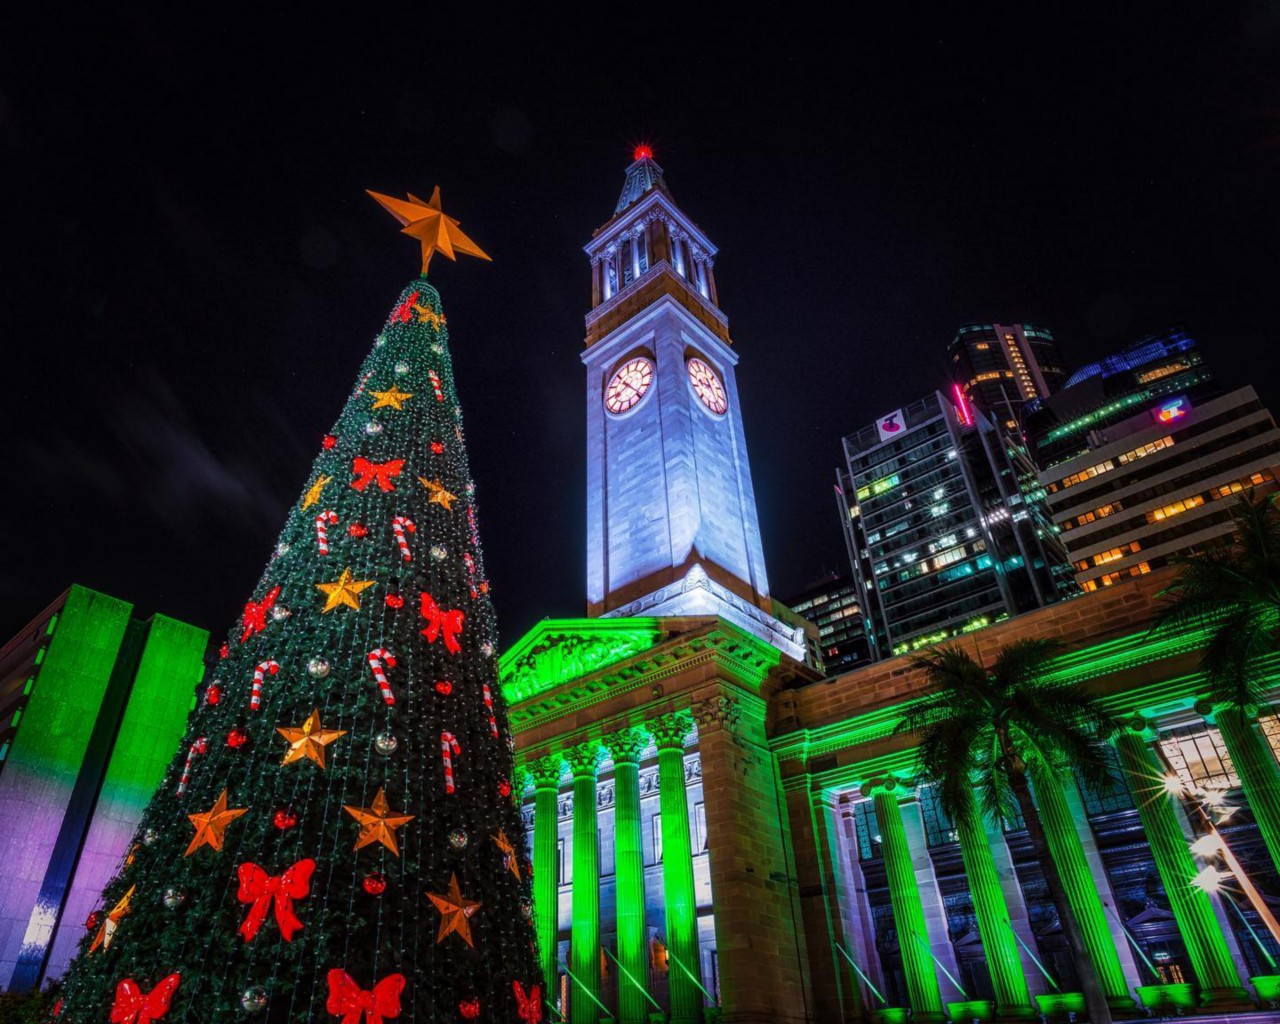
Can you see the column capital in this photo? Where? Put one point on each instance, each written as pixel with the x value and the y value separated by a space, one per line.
pixel 626 745
pixel 520 779
pixel 885 784
pixel 585 758
pixel 1207 709
pixel 669 730
pixel 546 771
pixel 717 712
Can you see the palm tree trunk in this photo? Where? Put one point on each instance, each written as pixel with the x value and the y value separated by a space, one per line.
pixel 1095 1000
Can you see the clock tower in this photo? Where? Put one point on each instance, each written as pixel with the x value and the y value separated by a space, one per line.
pixel 671 515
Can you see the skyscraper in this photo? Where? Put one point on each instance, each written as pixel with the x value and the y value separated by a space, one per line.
pixel 834 605
pixel 997 367
pixel 942 535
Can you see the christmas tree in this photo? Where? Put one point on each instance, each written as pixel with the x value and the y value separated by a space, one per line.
pixel 338 836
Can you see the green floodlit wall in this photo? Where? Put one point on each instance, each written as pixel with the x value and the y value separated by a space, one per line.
pixel 151 729
pixel 45 759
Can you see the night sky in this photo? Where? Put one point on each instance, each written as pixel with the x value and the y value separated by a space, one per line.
pixel 190 272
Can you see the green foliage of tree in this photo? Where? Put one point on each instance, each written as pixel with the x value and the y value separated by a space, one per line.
pixel 985 732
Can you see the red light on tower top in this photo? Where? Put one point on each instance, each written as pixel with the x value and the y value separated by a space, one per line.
pixel 642 152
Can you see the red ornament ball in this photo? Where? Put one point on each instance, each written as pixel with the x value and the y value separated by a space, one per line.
pixel 504 788
pixel 284 819
pixel 437 447
pixel 395 601
pixel 357 530
pixel 469 1009
pixel 484 587
pixel 213 695
pixel 237 738
pixel 329 441
pixel 224 651
pixel 374 883
pixel 93 920
pixel 444 687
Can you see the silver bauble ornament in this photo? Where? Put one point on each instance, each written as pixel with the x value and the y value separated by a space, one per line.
pixel 373 427
pixel 254 999
pixel 486 649
pixel 458 839
pixel 174 897
pixel 149 837
pixel 317 668
pixel 282 548
pixel 402 368
pixel 437 348
pixel 279 613
pixel 385 743
pixel 526 907
pixel 438 552
pixel 382 340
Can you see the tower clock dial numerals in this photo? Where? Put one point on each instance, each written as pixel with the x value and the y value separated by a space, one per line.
pixel 706 385
pixel 628 385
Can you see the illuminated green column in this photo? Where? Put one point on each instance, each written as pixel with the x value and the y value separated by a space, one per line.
pixel 625 747
pixel 1082 892
pixel 1197 923
pixel 546 864
pixel 584 933
pixel 998 942
pixel 904 898
pixel 669 733
pixel 1256 766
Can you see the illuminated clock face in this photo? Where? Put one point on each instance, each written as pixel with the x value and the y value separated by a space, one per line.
pixel 707 386
pixel 628 385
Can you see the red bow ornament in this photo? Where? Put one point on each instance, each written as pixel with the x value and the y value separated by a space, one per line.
pixel 255 614
pixel 353 1004
pixel 261 889
pixel 447 624
pixel 528 1006
pixel 132 1007
pixel 370 472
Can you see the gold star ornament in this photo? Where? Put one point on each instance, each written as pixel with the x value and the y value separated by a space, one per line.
pixel 509 858
pixel 430 225
pixel 108 929
pixel 212 825
pixel 344 591
pixel 309 740
pixel 455 912
pixel 313 492
pixel 394 398
pixel 439 496
pixel 377 823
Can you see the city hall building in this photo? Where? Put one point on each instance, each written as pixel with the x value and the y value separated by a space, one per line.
pixel 720 831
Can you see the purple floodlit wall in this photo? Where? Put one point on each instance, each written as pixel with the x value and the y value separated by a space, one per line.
pixel 45 759
pixel 150 731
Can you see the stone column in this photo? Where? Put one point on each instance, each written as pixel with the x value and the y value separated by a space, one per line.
pixel 994 927
pixel 584 935
pixel 908 911
pixel 937 929
pixel 546 864
pixel 597 283
pixel 625 747
pixel 1254 763
pixel 711 282
pixel 660 240
pixel 1082 893
pixel 669 733
pixel 1219 979
pixel 635 258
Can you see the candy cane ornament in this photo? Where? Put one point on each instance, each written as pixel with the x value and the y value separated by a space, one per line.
pixel 470 563
pixel 435 385
pixel 325 519
pixel 448 750
pixel 399 526
pixel 488 703
pixel 380 660
pixel 198 747
pixel 259 674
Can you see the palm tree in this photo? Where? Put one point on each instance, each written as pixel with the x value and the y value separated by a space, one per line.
pixel 1232 595
pixel 984 734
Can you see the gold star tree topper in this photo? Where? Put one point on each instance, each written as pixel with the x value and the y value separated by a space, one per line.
pixel 344 591
pixel 108 929
pixel 430 225
pixel 309 740
pixel 377 823
pixel 212 825
pixel 393 398
pixel 455 912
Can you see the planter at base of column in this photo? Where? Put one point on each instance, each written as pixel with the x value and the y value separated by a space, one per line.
pixel 1226 1000
pixel 1267 986
pixel 1176 996
pixel 982 1011
pixel 891 1015
pixel 1057 1005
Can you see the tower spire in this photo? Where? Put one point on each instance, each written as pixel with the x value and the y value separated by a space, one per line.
pixel 643 175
